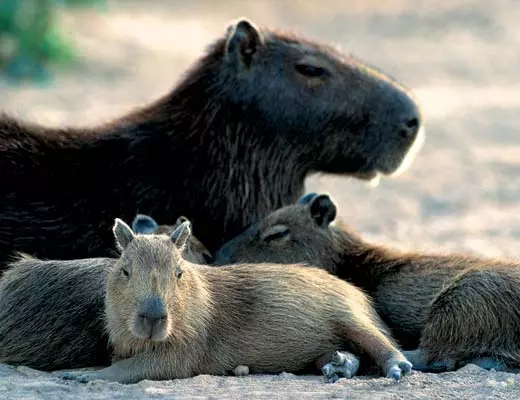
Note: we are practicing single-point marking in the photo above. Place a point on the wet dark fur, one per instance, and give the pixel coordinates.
(454, 307)
(51, 312)
(234, 140)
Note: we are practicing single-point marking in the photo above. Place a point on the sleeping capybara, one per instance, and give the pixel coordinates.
(235, 139)
(51, 311)
(455, 308)
(168, 318)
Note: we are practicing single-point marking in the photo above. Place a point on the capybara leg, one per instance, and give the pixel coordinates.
(130, 370)
(416, 357)
(381, 349)
(341, 364)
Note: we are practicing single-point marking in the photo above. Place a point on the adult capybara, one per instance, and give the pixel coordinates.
(455, 308)
(168, 318)
(196, 252)
(51, 312)
(235, 139)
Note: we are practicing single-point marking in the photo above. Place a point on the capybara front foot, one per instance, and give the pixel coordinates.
(105, 374)
(79, 376)
(342, 365)
(396, 368)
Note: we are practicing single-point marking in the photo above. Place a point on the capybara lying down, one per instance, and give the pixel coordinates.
(449, 309)
(168, 318)
(51, 311)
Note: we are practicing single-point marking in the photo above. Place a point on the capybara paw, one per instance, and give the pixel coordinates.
(396, 369)
(77, 376)
(329, 373)
(241, 370)
(342, 365)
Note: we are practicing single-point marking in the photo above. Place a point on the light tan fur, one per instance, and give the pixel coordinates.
(268, 318)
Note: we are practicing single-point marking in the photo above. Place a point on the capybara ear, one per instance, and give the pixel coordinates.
(181, 219)
(323, 210)
(123, 234)
(143, 224)
(243, 39)
(181, 235)
(306, 198)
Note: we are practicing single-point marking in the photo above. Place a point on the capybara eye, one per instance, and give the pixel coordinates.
(179, 274)
(310, 70)
(276, 232)
(125, 272)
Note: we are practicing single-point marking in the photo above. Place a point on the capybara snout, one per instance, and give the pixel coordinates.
(151, 320)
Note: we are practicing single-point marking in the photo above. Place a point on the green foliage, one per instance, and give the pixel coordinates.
(30, 39)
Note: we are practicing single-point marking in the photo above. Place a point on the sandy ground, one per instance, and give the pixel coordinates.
(462, 60)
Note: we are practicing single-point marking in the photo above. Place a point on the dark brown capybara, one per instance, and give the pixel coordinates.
(51, 312)
(168, 318)
(454, 308)
(235, 139)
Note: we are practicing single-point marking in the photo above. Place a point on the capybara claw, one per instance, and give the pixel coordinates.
(399, 369)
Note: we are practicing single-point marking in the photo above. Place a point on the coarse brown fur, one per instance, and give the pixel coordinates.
(235, 139)
(168, 318)
(51, 312)
(454, 307)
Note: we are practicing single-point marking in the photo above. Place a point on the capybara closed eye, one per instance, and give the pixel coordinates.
(235, 139)
(447, 309)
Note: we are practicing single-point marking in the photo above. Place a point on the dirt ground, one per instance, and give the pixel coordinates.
(462, 193)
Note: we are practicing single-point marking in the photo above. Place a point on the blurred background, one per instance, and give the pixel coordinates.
(82, 63)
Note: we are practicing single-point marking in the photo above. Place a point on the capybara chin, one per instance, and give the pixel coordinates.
(455, 308)
(52, 311)
(168, 318)
(235, 139)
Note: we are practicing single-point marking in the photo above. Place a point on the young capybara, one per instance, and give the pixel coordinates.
(168, 318)
(455, 308)
(196, 252)
(51, 312)
(235, 139)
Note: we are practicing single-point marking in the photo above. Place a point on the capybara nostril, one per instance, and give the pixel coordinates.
(410, 128)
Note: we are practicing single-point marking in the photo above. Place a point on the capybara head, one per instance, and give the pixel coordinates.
(332, 112)
(146, 289)
(195, 251)
(298, 233)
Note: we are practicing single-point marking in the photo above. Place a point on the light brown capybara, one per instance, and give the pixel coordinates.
(168, 318)
(51, 311)
(447, 309)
